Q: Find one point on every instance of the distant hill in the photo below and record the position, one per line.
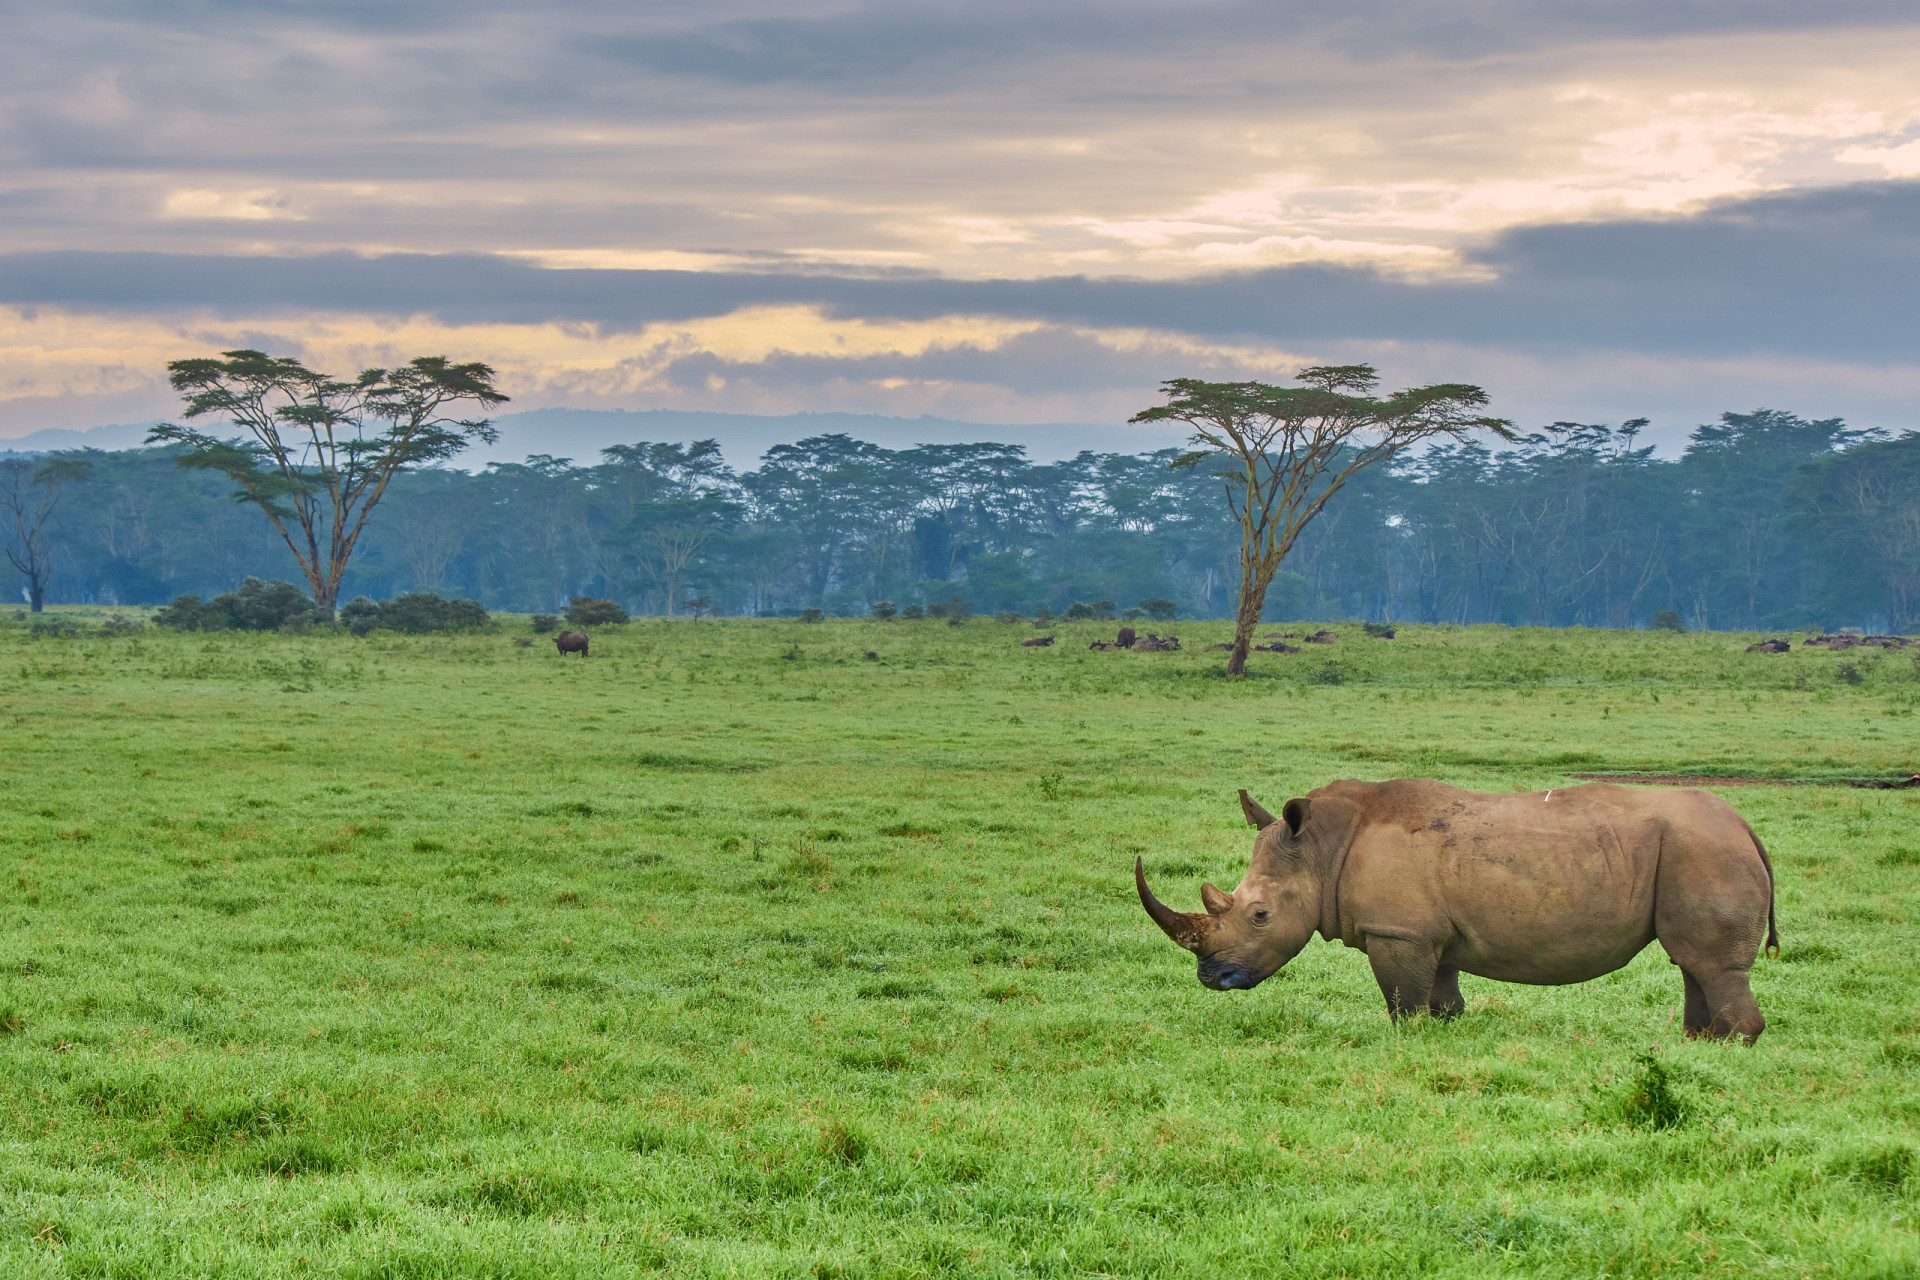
(124, 435)
(580, 434)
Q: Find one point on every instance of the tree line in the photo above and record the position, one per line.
(1766, 520)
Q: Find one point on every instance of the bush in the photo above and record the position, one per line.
(1042, 616)
(811, 615)
(415, 613)
(585, 611)
(1008, 616)
(883, 609)
(544, 623)
(1378, 630)
(914, 612)
(1668, 620)
(1159, 608)
(1077, 612)
(121, 626)
(1132, 615)
(256, 606)
(359, 615)
(186, 613)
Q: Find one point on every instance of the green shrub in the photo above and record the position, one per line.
(256, 606)
(811, 615)
(585, 611)
(1159, 608)
(913, 612)
(545, 623)
(1668, 620)
(359, 615)
(416, 613)
(883, 609)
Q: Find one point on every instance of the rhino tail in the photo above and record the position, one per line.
(1773, 932)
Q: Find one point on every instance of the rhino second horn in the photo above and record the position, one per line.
(1181, 926)
(1257, 815)
(1218, 903)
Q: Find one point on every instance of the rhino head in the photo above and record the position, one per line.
(1244, 937)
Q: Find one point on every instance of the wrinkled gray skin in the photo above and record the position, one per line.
(1543, 888)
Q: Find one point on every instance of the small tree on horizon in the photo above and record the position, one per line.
(28, 496)
(319, 453)
(1288, 450)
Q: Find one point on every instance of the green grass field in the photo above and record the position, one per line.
(761, 948)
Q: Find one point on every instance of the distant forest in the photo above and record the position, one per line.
(1768, 520)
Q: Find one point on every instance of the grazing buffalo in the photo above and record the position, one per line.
(1039, 642)
(571, 642)
(1432, 882)
(1125, 639)
(1277, 646)
(1151, 643)
(1770, 646)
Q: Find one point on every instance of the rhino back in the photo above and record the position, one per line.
(1540, 887)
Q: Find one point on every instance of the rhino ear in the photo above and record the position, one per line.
(1218, 903)
(1296, 813)
(1256, 815)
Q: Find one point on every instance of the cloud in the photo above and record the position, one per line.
(1822, 274)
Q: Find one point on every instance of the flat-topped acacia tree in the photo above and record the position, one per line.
(319, 453)
(1288, 450)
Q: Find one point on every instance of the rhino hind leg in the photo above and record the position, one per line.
(1444, 999)
(1720, 1005)
(1406, 972)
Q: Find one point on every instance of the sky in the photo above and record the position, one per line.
(993, 212)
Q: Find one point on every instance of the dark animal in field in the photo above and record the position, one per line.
(1432, 882)
(1039, 643)
(1102, 646)
(1126, 638)
(1151, 643)
(1770, 646)
(1322, 637)
(1278, 646)
(571, 642)
(1841, 643)
(1219, 648)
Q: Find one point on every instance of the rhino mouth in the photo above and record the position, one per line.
(1224, 976)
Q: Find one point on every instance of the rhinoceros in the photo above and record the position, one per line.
(1543, 888)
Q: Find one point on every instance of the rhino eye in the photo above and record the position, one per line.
(1260, 916)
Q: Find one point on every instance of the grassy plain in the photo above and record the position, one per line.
(762, 948)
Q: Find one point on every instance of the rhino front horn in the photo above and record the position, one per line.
(1181, 926)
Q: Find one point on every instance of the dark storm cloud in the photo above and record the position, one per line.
(1828, 273)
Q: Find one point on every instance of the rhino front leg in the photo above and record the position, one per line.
(1405, 971)
(1445, 1000)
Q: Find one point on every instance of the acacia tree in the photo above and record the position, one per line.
(321, 452)
(1288, 450)
(28, 495)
